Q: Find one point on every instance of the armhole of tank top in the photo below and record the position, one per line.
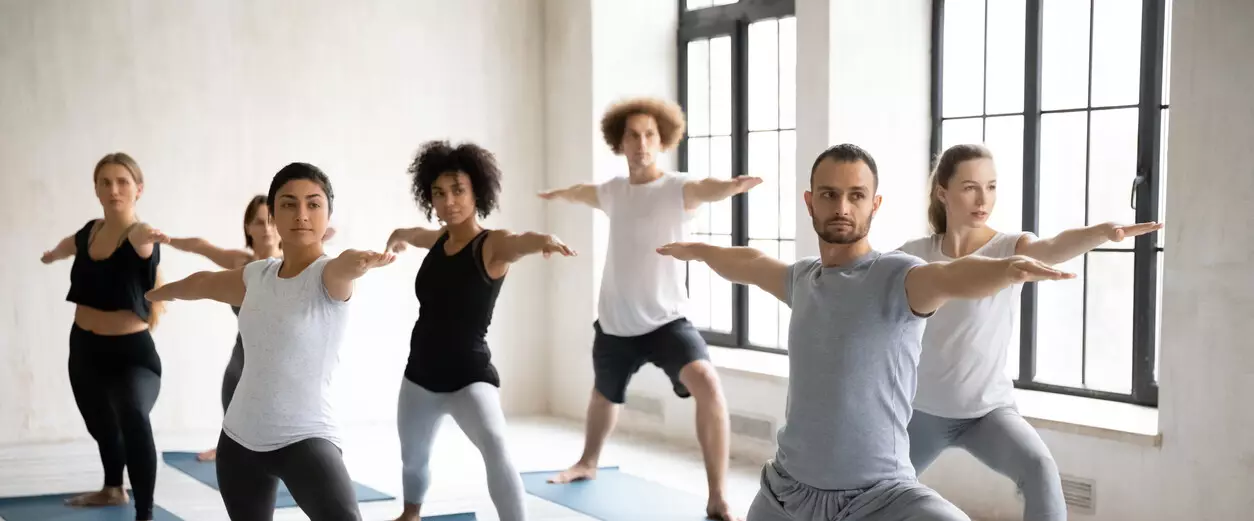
(476, 253)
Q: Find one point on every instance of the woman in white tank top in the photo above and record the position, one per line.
(964, 396)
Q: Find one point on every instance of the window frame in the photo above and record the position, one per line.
(731, 20)
(1144, 192)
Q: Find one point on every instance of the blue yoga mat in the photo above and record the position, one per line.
(469, 516)
(53, 508)
(617, 496)
(207, 472)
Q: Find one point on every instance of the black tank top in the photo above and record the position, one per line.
(449, 349)
(117, 283)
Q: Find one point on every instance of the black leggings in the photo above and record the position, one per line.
(230, 377)
(116, 380)
(312, 469)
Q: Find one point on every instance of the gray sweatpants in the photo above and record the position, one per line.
(1005, 442)
(477, 410)
(783, 498)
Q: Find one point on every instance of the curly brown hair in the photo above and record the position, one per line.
(668, 115)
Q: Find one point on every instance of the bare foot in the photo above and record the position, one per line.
(717, 508)
(209, 455)
(410, 513)
(108, 496)
(578, 472)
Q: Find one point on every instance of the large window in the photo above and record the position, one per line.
(737, 83)
(1071, 97)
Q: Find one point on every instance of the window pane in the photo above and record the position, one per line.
(1167, 55)
(963, 61)
(725, 2)
(698, 108)
(720, 294)
(1108, 329)
(1005, 56)
(1158, 323)
(696, 4)
(1005, 140)
(764, 215)
(961, 131)
(720, 86)
(788, 255)
(788, 72)
(763, 315)
(764, 75)
(1112, 166)
(1059, 315)
(699, 168)
(699, 291)
(720, 167)
(1061, 196)
(1162, 179)
(789, 190)
(1065, 54)
(1116, 52)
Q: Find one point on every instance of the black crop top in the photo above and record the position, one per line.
(116, 283)
(449, 349)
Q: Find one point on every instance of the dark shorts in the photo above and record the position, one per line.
(670, 347)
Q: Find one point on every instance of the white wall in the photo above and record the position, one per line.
(214, 96)
(863, 78)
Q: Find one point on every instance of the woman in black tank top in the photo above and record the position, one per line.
(450, 367)
(115, 372)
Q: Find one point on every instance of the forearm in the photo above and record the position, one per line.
(580, 193)
(1069, 244)
(190, 244)
(523, 244)
(195, 287)
(710, 190)
(975, 277)
(733, 264)
(65, 248)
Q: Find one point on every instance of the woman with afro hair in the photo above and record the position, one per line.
(450, 369)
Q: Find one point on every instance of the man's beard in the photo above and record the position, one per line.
(855, 234)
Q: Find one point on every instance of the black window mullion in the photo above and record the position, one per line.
(1031, 181)
(740, 162)
(1145, 264)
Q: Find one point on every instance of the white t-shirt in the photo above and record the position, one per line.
(292, 331)
(962, 369)
(642, 290)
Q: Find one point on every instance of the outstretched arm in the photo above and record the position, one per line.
(710, 189)
(1078, 241)
(229, 259)
(63, 250)
(143, 236)
(739, 264)
(929, 286)
(403, 238)
(340, 272)
(223, 286)
(502, 248)
(581, 193)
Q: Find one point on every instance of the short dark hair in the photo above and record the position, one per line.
(668, 116)
(250, 212)
(296, 171)
(847, 153)
(437, 158)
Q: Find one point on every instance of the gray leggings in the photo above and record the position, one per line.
(1005, 442)
(477, 410)
(782, 498)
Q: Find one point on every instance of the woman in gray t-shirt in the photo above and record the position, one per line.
(293, 312)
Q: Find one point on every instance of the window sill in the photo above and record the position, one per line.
(1115, 421)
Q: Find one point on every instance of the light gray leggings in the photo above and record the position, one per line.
(477, 410)
(1005, 442)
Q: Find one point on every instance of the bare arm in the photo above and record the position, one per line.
(223, 286)
(582, 193)
(63, 250)
(419, 237)
(341, 272)
(229, 259)
(142, 238)
(929, 286)
(708, 190)
(502, 248)
(739, 264)
(1078, 241)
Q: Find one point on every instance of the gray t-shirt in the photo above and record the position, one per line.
(853, 349)
(292, 332)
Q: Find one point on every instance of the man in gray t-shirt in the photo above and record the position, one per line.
(853, 344)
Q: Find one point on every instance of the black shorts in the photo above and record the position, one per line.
(671, 347)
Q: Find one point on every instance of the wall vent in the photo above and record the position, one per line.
(1080, 494)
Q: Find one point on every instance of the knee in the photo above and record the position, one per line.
(701, 379)
(1039, 471)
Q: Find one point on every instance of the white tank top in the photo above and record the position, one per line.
(642, 290)
(292, 331)
(962, 369)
